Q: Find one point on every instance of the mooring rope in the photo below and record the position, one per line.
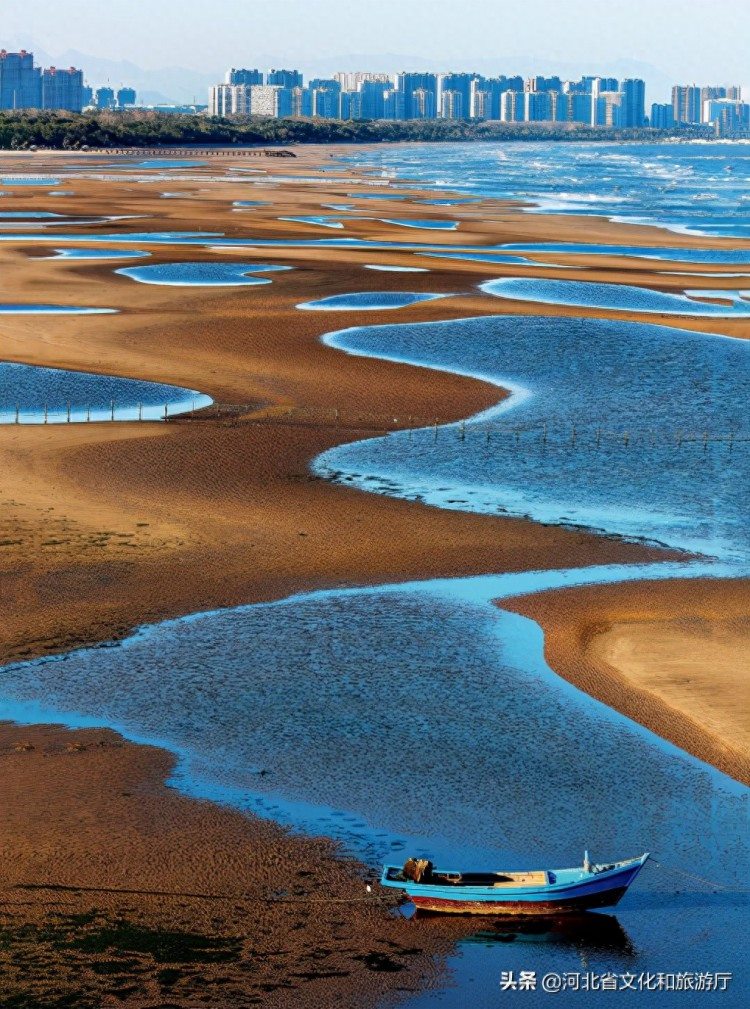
(69, 888)
(370, 896)
(700, 879)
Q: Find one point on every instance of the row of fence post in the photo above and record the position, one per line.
(575, 438)
(112, 412)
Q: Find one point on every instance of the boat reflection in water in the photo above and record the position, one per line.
(586, 932)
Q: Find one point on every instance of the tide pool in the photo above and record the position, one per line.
(31, 309)
(396, 269)
(320, 221)
(202, 274)
(25, 180)
(425, 225)
(28, 215)
(98, 254)
(372, 301)
(26, 390)
(494, 257)
(671, 255)
(614, 297)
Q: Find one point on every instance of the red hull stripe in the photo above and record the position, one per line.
(439, 904)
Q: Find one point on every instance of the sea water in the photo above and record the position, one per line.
(696, 189)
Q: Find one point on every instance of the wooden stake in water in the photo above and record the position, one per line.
(165, 411)
(140, 411)
(45, 413)
(112, 410)
(68, 417)
(18, 418)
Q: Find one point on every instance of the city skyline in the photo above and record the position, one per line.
(595, 101)
(321, 37)
(362, 95)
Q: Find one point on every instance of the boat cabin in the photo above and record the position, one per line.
(421, 871)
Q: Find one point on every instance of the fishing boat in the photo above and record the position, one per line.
(540, 892)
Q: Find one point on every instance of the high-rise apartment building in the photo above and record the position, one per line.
(578, 106)
(62, 89)
(591, 84)
(301, 101)
(419, 92)
(716, 92)
(726, 114)
(20, 81)
(394, 104)
(270, 100)
(325, 98)
(686, 103)
(607, 108)
(254, 100)
(512, 107)
(423, 104)
(452, 105)
(284, 78)
(354, 81)
(220, 100)
(486, 95)
(633, 106)
(125, 98)
(662, 116)
(537, 106)
(459, 89)
(104, 98)
(536, 84)
(373, 96)
(249, 77)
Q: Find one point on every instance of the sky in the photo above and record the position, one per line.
(682, 40)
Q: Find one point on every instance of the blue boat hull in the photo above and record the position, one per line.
(565, 893)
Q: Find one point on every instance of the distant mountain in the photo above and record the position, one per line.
(167, 84)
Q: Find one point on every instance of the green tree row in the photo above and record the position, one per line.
(64, 130)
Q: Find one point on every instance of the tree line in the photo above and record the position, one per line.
(21, 130)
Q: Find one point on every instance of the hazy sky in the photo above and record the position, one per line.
(703, 40)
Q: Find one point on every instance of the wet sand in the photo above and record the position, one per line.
(671, 655)
(184, 903)
(104, 527)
